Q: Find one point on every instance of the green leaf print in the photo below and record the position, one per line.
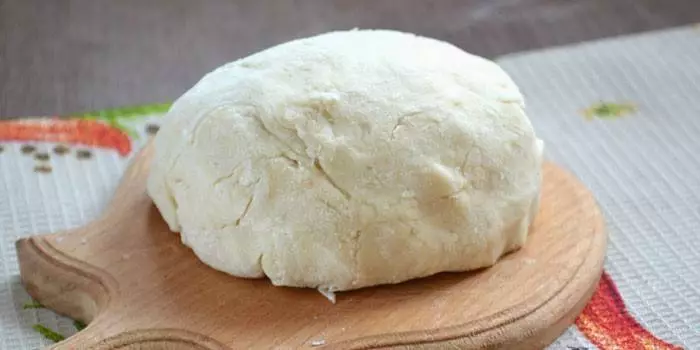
(79, 325)
(609, 110)
(33, 305)
(115, 117)
(48, 333)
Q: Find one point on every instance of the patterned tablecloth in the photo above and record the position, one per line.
(623, 114)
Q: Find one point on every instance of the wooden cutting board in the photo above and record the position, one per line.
(138, 287)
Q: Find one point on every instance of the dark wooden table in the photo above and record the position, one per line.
(68, 56)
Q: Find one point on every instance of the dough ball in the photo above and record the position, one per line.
(349, 159)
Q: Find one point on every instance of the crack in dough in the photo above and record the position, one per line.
(355, 238)
(329, 179)
(245, 210)
(228, 176)
(401, 121)
(259, 121)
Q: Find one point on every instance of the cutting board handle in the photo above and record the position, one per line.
(82, 292)
(72, 287)
(66, 283)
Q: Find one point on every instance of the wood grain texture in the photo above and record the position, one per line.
(139, 287)
(69, 56)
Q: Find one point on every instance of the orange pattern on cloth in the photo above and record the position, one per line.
(606, 322)
(91, 133)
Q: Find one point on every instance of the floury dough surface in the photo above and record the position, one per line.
(347, 160)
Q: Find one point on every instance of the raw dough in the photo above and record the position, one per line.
(349, 159)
